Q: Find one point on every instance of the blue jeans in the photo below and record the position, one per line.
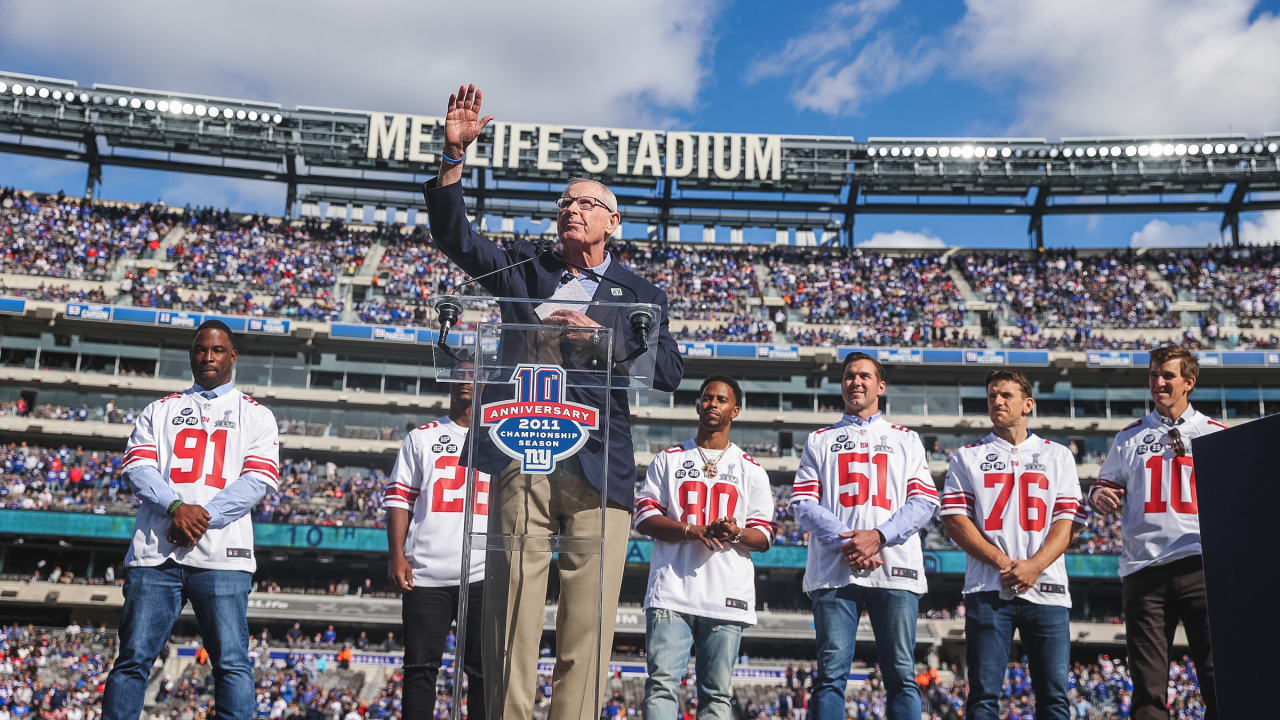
(988, 632)
(893, 619)
(153, 599)
(669, 635)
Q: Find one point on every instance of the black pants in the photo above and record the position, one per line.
(1155, 599)
(428, 612)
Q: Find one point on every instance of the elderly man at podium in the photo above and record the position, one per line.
(567, 501)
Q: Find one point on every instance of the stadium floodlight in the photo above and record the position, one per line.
(1157, 150)
(1115, 151)
(918, 151)
(4, 87)
(1053, 152)
(240, 115)
(188, 109)
(1180, 149)
(957, 151)
(17, 88)
(175, 107)
(1232, 148)
(967, 152)
(122, 102)
(149, 104)
(1219, 148)
(1104, 151)
(1091, 151)
(1043, 153)
(1018, 153)
(44, 92)
(163, 106)
(31, 91)
(135, 103)
(1257, 147)
(1193, 149)
(991, 152)
(213, 111)
(57, 95)
(944, 152)
(266, 118)
(84, 97)
(228, 113)
(894, 151)
(931, 151)
(1144, 150)
(97, 99)
(1005, 152)
(253, 115)
(1273, 146)
(200, 110)
(884, 152)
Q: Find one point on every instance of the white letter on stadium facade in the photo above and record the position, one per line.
(519, 142)
(598, 161)
(417, 136)
(764, 157)
(735, 157)
(385, 141)
(546, 145)
(704, 155)
(679, 146)
(624, 141)
(648, 156)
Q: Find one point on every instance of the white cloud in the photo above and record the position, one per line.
(1101, 67)
(558, 61)
(903, 239)
(839, 27)
(1265, 230)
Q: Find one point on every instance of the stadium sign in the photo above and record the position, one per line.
(538, 427)
(586, 150)
(168, 318)
(13, 306)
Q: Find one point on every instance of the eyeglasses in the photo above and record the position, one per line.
(1179, 447)
(585, 203)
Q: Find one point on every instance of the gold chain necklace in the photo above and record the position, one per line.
(709, 466)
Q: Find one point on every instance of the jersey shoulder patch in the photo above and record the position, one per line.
(1215, 423)
(1131, 426)
(751, 460)
(819, 431)
(976, 443)
(674, 449)
(248, 399)
(170, 396)
(900, 428)
(428, 426)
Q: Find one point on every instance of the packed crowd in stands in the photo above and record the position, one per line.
(60, 673)
(56, 293)
(1062, 289)
(697, 281)
(302, 258)
(900, 335)
(74, 239)
(148, 290)
(868, 289)
(739, 329)
(1244, 280)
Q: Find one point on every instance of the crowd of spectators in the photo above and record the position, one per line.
(74, 239)
(1064, 289)
(1243, 280)
(56, 293)
(301, 258)
(152, 291)
(890, 334)
(47, 673)
(868, 289)
(740, 329)
(697, 281)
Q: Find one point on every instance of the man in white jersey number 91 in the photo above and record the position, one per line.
(199, 460)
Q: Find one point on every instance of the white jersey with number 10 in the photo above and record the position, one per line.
(1161, 512)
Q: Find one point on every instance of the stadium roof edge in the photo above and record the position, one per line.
(956, 139)
(1182, 136)
(126, 88)
(320, 108)
(39, 78)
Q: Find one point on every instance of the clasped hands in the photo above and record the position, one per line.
(862, 551)
(716, 534)
(1019, 575)
(187, 525)
(572, 318)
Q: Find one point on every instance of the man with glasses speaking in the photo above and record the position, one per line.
(1149, 473)
(567, 501)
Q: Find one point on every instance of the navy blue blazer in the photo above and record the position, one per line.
(453, 234)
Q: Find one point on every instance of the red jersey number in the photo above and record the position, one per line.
(190, 447)
(451, 479)
(700, 505)
(1033, 512)
(1183, 496)
(855, 486)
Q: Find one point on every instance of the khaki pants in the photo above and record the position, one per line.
(561, 503)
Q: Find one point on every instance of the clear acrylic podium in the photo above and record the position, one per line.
(542, 400)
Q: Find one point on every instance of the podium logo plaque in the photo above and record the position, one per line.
(538, 427)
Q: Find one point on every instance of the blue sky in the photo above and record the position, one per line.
(859, 67)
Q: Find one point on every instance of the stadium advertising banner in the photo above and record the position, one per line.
(947, 356)
(169, 318)
(1207, 359)
(13, 306)
(395, 334)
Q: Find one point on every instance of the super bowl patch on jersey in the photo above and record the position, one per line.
(538, 427)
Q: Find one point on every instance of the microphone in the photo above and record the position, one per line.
(640, 319)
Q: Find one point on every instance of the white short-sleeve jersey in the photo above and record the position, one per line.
(1161, 516)
(686, 576)
(428, 482)
(863, 473)
(1014, 494)
(200, 445)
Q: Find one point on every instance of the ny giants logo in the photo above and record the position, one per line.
(538, 427)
